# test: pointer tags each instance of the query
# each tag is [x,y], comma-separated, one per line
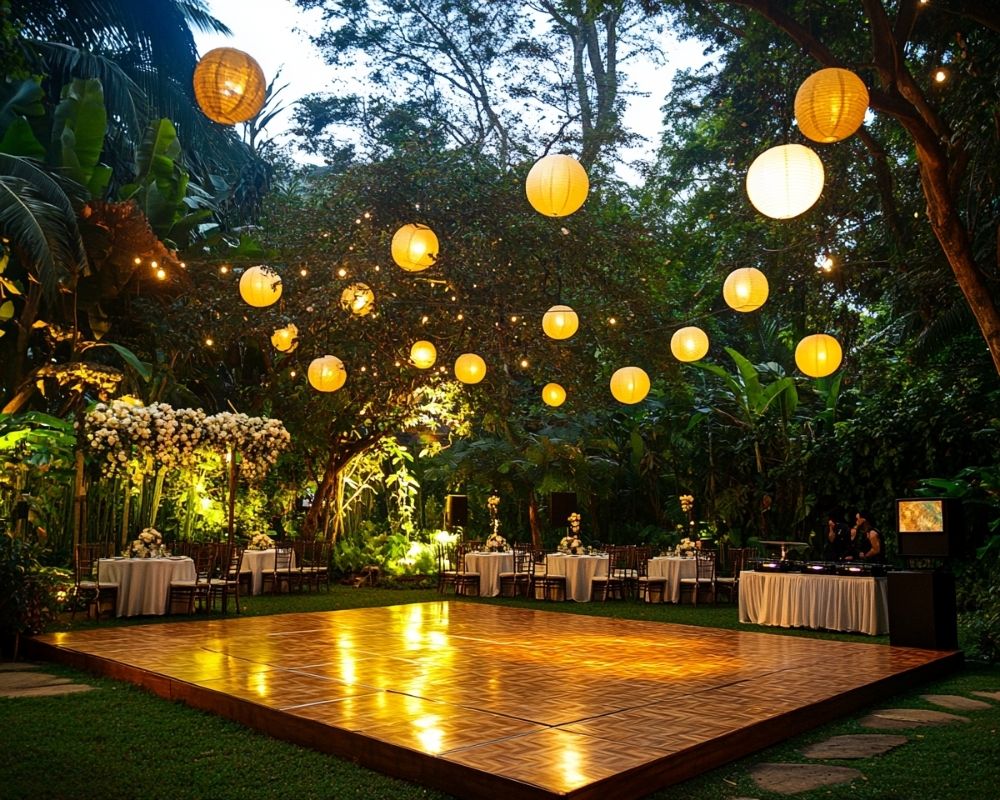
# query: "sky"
[272,31]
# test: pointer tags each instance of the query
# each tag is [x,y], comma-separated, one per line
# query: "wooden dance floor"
[485,701]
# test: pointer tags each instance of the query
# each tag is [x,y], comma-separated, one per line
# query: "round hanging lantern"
[327,374]
[557,185]
[629,385]
[260,286]
[285,339]
[560,322]
[818,355]
[229,85]
[553,395]
[785,181]
[830,105]
[689,344]
[423,354]
[470,368]
[414,247]
[745,289]
[358,298]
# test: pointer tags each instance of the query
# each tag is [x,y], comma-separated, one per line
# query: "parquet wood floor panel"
[483,701]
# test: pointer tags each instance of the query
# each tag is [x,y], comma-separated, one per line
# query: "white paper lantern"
[785,181]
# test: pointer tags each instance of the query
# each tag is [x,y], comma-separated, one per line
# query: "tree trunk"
[79,497]
[536,529]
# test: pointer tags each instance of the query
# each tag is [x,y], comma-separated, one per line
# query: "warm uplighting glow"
[423,354]
[553,395]
[818,355]
[260,286]
[560,322]
[557,185]
[470,368]
[286,339]
[206,503]
[689,344]
[785,181]
[358,298]
[630,385]
[830,105]
[745,289]
[414,247]
[229,86]
[327,374]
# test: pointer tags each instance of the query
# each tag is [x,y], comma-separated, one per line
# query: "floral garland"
[147,544]
[260,541]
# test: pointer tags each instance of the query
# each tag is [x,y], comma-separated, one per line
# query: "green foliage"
[30,593]
[78,132]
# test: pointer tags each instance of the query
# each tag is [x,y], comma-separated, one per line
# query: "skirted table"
[144,583]
[833,602]
[489,566]
[579,572]
[673,569]
[257,562]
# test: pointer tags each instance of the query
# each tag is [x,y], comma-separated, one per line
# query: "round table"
[579,572]
[673,569]
[489,566]
[257,562]
[144,583]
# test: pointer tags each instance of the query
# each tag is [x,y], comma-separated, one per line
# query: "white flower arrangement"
[260,541]
[147,544]
[687,545]
[571,544]
[495,542]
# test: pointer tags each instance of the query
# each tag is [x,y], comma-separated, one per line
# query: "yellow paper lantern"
[557,185]
[689,344]
[818,355]
[470,368]
[260,286]
[414,247]
[830,105]
[560,322]
[629,385]
[785,181]
[229,85]
[358,298]
[423,354]
[327,374]
[553,395]
[286,339]
[745,289]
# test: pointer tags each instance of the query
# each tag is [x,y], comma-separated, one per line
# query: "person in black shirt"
[836,533]
[870,546]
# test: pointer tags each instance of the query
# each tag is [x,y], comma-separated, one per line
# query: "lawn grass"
[120,741]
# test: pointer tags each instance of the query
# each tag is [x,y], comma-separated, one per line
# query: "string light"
[224,269]
[342,272]
[303,272]
[825,262]
[161,274]
[524,363]
[940,76]
[209,342]
[137,260]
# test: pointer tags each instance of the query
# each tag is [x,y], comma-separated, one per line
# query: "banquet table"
[489,566]
[833,602]
[144,583]
[579,571]
[257,562]
[673,569]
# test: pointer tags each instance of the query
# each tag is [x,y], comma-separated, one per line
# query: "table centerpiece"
[148,544]
[260,541]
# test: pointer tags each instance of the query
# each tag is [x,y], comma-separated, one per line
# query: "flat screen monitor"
[927,526]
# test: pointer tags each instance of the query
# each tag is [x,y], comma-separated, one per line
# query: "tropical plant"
[30,593]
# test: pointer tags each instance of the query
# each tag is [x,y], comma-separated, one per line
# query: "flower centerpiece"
[147,544]
[571,543]
[687,545]
[260,541]
[494,541]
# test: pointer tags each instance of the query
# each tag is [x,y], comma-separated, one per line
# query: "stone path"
[23,680]
[794,778]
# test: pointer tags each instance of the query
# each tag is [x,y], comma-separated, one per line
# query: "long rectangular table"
[833,602]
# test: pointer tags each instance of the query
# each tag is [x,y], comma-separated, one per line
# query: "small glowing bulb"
[161,274]
[206,503]
[209,342]
[357,221]
[612,321]
[513,318]
[460,317]
[342,272]
[368,215]
[137,260]
[183,265]
[154,264]
[292,374]
[940,76]
[826,263]
[224,269]
[303,272]
[423,320]
[524,363]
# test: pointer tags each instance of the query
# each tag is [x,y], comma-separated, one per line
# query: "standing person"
[853,545]
[870,547]
[836,533]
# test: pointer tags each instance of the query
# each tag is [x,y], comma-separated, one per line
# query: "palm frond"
[954,321]
[37,216]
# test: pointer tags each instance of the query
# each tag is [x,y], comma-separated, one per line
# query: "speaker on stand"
[561,505]
[456,511]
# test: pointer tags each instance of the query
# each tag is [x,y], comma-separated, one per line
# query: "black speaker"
[561,505]
[922,610]
[456,511]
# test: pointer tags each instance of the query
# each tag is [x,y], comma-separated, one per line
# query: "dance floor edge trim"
[469,782]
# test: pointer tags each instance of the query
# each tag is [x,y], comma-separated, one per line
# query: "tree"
[950,130]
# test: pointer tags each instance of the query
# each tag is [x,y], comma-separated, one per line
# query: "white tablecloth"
[579,571]
[143,583]
[489,566]
[257,562]
[673,569]
[834,602]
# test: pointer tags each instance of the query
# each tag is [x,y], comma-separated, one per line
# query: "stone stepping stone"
[36,684]
[861,745]
[795,778]
[956,702]
[16,666]
[898,718]
[990,695]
